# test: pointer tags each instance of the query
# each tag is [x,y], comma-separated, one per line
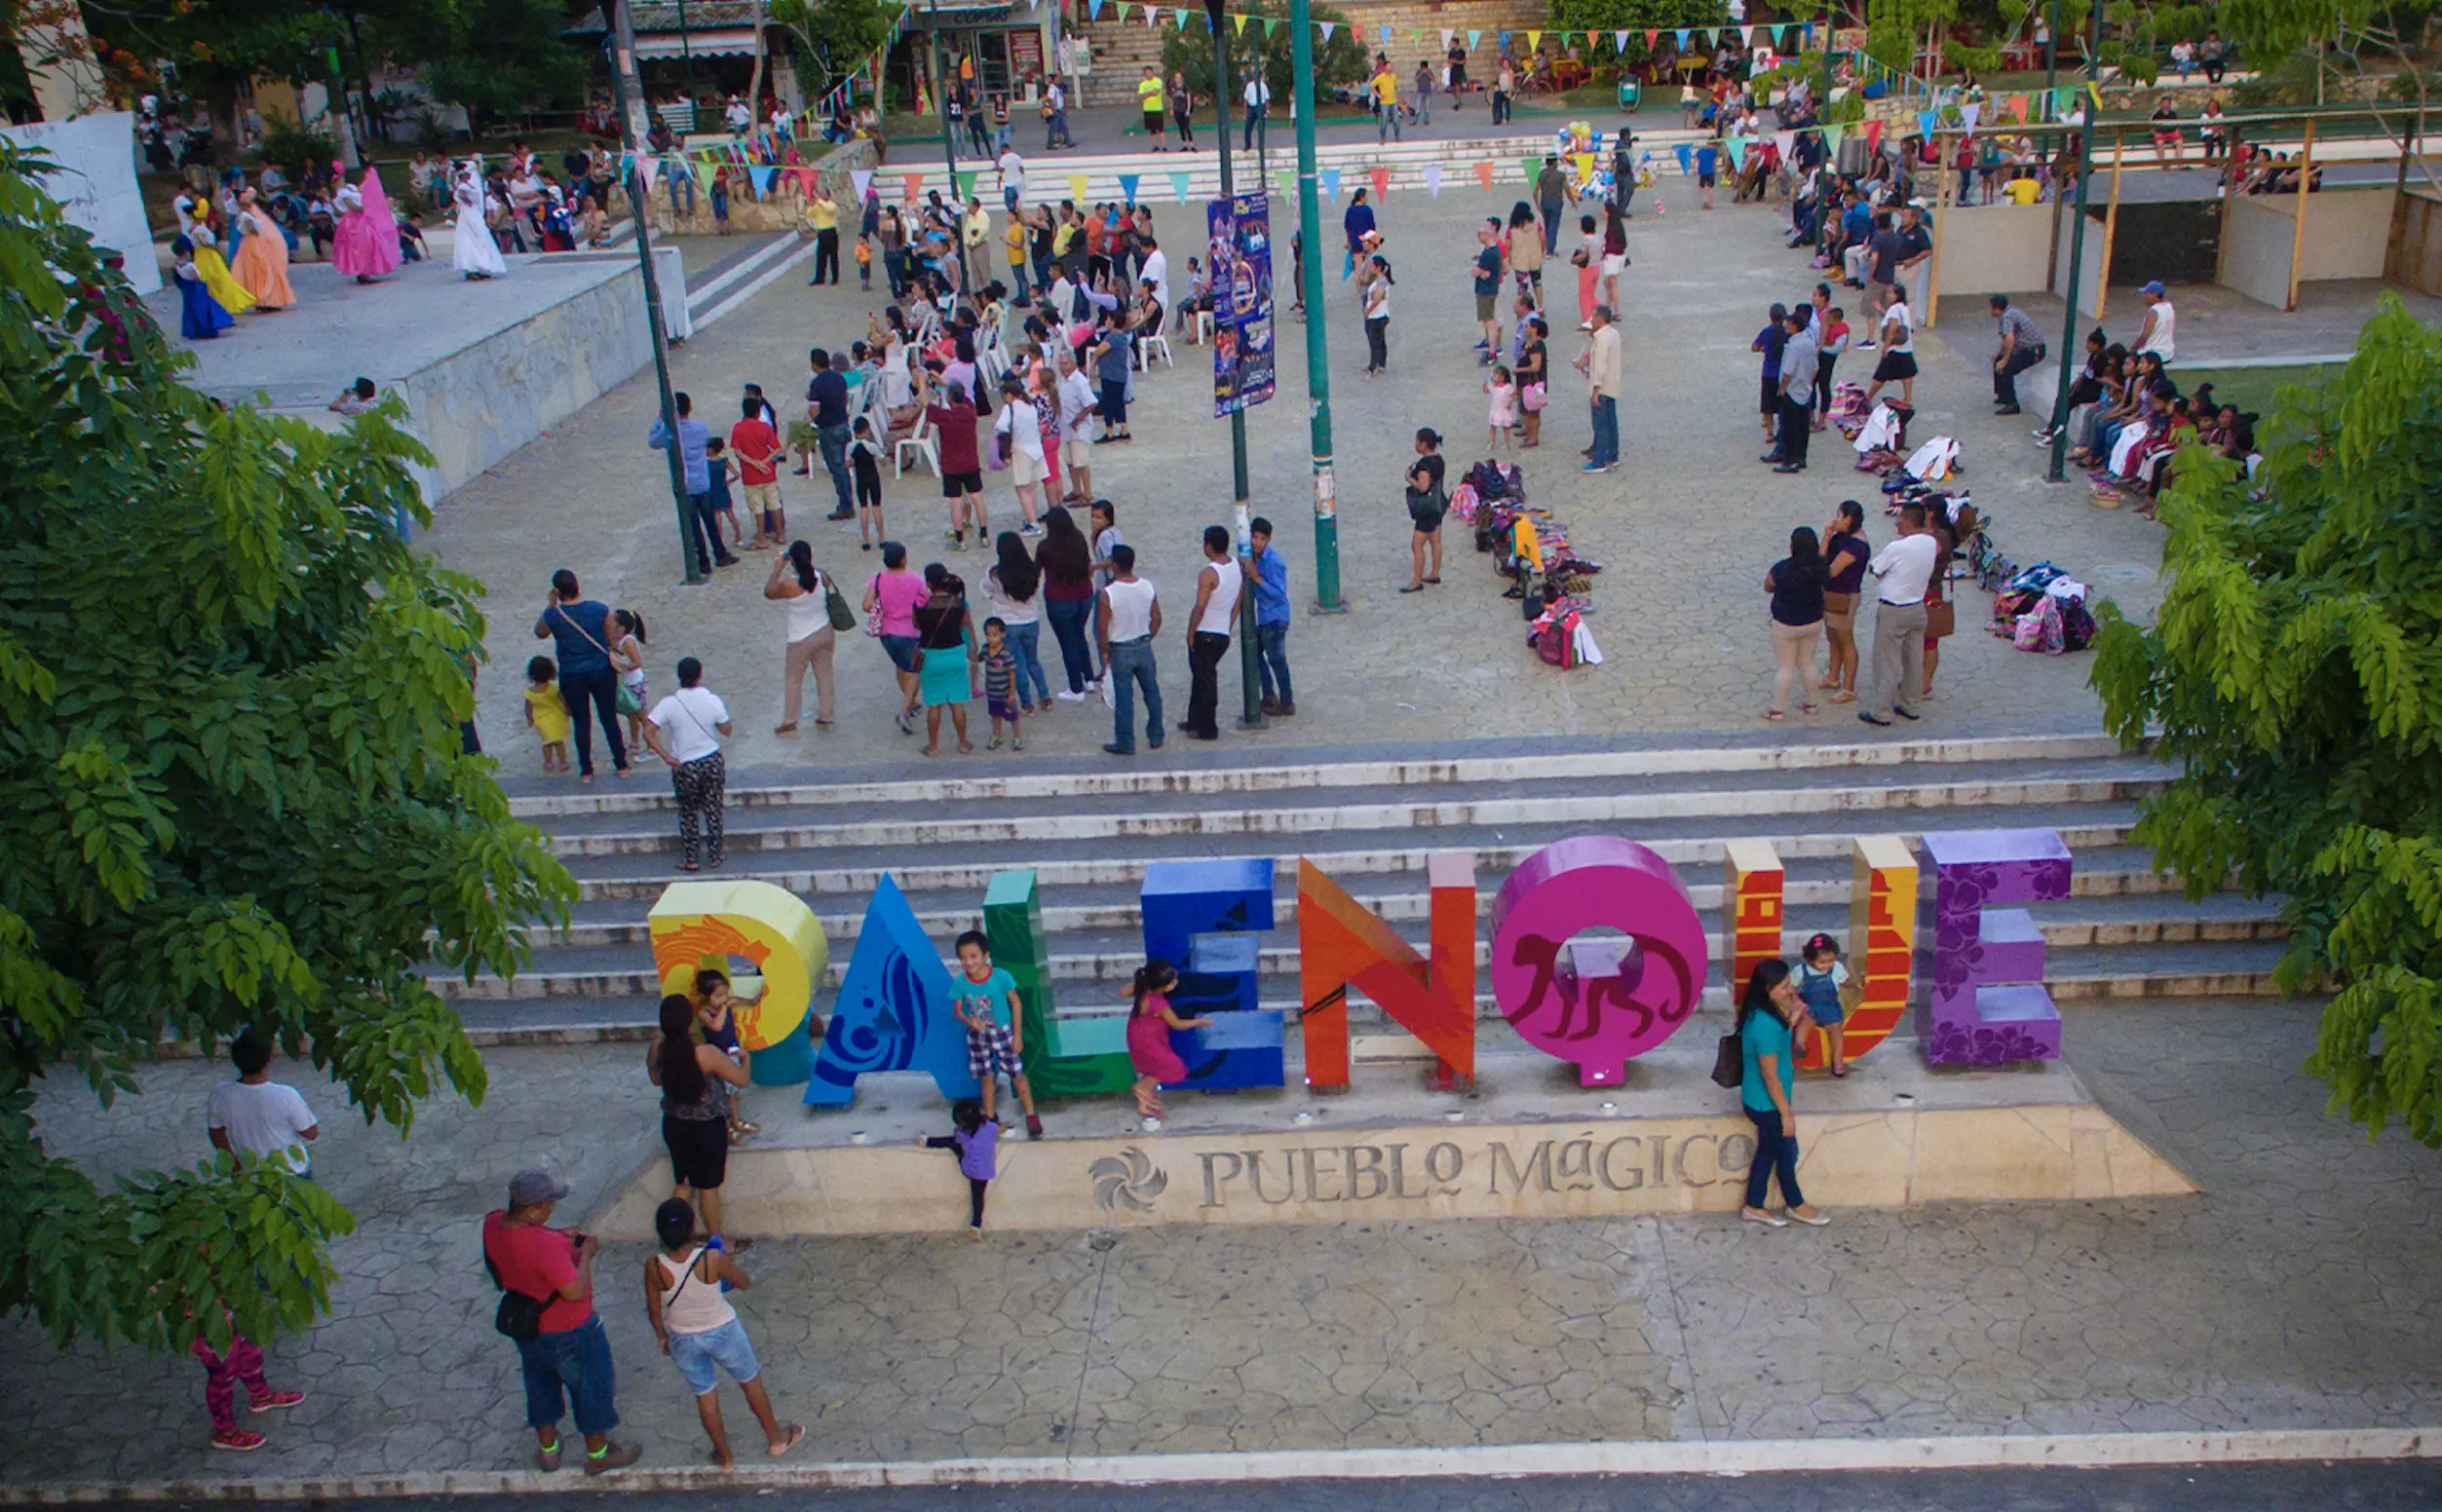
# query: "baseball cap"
[2155,287]
[528,1188]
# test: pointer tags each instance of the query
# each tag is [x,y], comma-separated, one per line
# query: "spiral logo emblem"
[1128,1182]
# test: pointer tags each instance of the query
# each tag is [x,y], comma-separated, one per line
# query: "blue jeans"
[1131,665]
[682,177]
[1272,661]
[1387,123]
[1606,431]
[576,1366]
[833,441]
[1025,640]
[699,1355]
[1069,618]
[1776,1154]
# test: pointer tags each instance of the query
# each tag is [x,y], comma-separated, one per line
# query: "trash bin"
[1631,92]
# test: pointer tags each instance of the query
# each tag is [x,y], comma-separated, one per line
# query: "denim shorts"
[902,650]
[577,1362]
[725,1346]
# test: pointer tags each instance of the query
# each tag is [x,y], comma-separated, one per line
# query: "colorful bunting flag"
[1446,35]
[1128,187]
[1271,23]
[1831,138]
[1153,17]
[2018,108]
[1385,36]
[646,168]
[1737,152]
[1325,27]
[1242,19]
[913,184]
[1285,183]
[1180,16]
[1653,39]
[1331,184]
[1969,114]
[1534,40]
[1483,172]
[1925,123]
[1682,35]
[1873,135]
[1382,182]
[1432,179]
[763,178]
[1620,41]
[1178,186]
[1474,40]
[1125,6]
[1784,142]
[1077,187]
[863,179]
[1687,160]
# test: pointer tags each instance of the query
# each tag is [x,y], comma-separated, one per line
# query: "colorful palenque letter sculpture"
[1597,1009]
[1205,918]
[1754,886]
[893,1009]
[1881,945]
[1065,1057]
[695,924]
[1341,943]
[1988,1005]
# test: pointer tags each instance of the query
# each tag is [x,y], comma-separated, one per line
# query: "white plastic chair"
[1152,347]
[923,443]
[1203,327]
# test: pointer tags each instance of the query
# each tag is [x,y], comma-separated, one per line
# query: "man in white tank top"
[1209,639]
[1129,617]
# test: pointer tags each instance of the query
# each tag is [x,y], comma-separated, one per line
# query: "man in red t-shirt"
[757,448]
[570,1358]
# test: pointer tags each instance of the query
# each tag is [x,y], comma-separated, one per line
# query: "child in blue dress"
[1820,978]
[200,317]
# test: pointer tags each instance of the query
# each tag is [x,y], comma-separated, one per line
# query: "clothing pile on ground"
[1548,579]
[1879,433]
[2043,608]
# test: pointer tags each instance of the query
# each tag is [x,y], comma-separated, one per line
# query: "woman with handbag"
[1534,377]
[816,611]
[1941,616]
[1427,501]
[1845,553]
[1771,1025]
[945,654]
[685,729]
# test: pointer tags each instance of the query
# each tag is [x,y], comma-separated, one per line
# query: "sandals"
[785,729]
[791,1437]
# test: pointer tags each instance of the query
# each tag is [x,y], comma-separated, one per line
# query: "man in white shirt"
[1077,413]
[255,1115]
[1055,118]
[1127,617]
[680,730]
[1258,109]
[2161,332]
[1601,366]
[1013,178]
[1209,626]
[1156,270]
[738,116]
[1903,570]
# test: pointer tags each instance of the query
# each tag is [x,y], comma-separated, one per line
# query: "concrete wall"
[2090,295]
[96,184]
[2347,232]
[2255,258]
[1994,248]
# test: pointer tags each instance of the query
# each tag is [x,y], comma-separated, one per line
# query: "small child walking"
[223,1373]
[1504,390]
[1820,978]
[977,1141]
[547,712]
[986,1002]
[718,471]
[626,654]
[864,459]
[864,262]
[1000,684]
[1149,1020]
[721,199]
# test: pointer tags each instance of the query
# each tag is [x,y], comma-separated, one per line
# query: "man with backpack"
[546,1277]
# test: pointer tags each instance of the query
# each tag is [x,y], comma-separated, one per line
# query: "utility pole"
[628,95]
[1309,290]
[1249,658]
[949,136]
[2058,471]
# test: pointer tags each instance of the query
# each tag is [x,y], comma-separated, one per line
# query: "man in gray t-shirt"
[1797,390]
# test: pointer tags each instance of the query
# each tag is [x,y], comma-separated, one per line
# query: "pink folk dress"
[1149,1043]
[366,246]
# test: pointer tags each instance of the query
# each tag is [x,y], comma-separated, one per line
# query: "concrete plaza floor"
[1686,527]
[2300,1290]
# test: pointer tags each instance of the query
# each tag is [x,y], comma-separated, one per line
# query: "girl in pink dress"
[368,242]
[1149,1024]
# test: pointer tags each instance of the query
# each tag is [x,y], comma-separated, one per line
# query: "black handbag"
[519,1316]
[1730,1060]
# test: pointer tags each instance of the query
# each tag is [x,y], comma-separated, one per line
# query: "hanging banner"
[1687,160]
[1325,27]
[1331,184]
[1737,152]
[1128,187]
[1483,172]
[1925,123]
[1534,41]
[1873,136]
[1285,182]
[1240,257]
[913,185]
[1446,35]
[1971,114]
[1382,182]
[966,184]
[863,179]
[1784,142]
[1242,19]
[1474,40]
[1529,168]
[1653,39]
[1178,186]
[1432,179]
[2018,108]
[763,178]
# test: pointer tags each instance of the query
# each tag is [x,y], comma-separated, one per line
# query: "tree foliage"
[1345,59]
[2295,672]
[231,780]
[1637,15]
[835,38]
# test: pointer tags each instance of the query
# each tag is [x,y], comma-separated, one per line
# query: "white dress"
[477,254]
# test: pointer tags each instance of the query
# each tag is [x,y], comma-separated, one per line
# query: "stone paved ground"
[1687,526]
[2300,1290]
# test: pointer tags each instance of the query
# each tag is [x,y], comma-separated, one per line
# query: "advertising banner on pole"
[1240,248]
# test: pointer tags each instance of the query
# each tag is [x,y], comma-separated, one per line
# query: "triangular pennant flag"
[1432,179]
[2061,97]
[1534,40]
[914,185]
[1620,41]
[1382,182]
[1686,157]
[1077,187]
[1180,17]
[1385,36]
[1504,42]
[862,178]
[1153,17]
[806,179]
[703,174]
[1285,182]
[1271,23]
[966,183]
[1682,35]
[1178,186]
[1969,113]
[1873,136]
[1737,152]
[1325,27]
[1127,186]
[1242,19]
[1529,166]
[1420,36]
[763,178]
[2018,108]
[646,168]
[1125,6]
[1925,123]
[1483,172]
[1331,184]
[1093,10]
[1785,142]
[1585,165]
[1446,35]
[1474,40]
[1831,138]
[1653,39]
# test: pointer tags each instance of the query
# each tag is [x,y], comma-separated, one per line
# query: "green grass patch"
[2252,389]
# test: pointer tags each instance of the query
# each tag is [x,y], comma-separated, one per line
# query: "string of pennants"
[1785,33]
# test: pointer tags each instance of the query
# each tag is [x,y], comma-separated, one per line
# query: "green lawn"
[2252,389]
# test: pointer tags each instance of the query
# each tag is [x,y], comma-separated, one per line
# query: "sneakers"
[279,1401]
[1034,1126]
[1119,750]
[1030,530]
[1066,696]
[614,1457]
[237,1440]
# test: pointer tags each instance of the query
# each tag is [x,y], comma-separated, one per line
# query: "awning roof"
[700,42]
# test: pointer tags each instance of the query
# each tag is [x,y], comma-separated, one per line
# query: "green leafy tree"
[1601,17]
[1344,60]
[230,779]
[496,58]
[835,38]
[2295,675]
[2383,52]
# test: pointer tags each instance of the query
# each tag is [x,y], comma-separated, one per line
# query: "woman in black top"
[944,651]
[1796,584]
[1427,501]
[1534,380]
[1845,553]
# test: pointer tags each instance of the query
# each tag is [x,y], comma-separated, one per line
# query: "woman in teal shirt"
[1768,1016]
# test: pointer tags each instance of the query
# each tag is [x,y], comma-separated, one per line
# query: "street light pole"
[950,138]
[629,94]
[1309,290]
[2058,470]
[1249,656]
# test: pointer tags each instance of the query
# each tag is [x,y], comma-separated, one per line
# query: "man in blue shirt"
[826,408]
[702,519]
[580,628]
[1271,578]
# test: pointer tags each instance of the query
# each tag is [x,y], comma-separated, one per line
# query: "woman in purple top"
[891,601]
[978,1142]
[1845,552]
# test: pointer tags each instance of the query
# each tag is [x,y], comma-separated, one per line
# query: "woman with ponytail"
[1149,1020]
[812,638]
[695,1079]
[1771,1025]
